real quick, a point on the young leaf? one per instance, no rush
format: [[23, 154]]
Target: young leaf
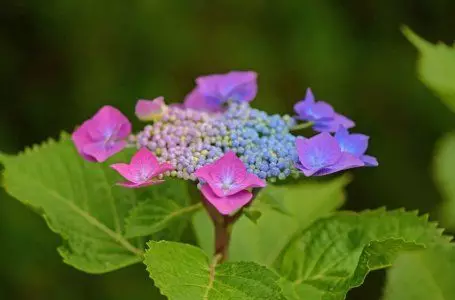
[[336, 253], [444, 172], [169, 206], [422, 275], [184, 272], [263, 242], [436, 67], [78, 200]]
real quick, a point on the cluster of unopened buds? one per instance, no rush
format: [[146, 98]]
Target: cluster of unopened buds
[[215, 138]]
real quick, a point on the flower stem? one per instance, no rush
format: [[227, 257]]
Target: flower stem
[[223, 232], [302, 126]]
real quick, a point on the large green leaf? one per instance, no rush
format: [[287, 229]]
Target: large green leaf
[[262, 242], [167, 208], [79, 201], [436, 67], [183, 272], [444, 171], [422, 275], [335, 254]]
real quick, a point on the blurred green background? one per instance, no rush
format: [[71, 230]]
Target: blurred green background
[[60, 60]]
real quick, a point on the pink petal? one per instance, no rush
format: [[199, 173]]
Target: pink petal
[[228, 168], [101, 152], [81, 138], [148, 110], [133, 185], [228, 204], [110, 117], [126, 171], [164, 167], [145, 157]]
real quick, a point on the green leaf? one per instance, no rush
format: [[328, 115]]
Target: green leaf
[[263, 242], [168, 208], [422, 275], [183, 272], [444, 172], [252, 214], [436, 67], [78, 201], [336, 253]]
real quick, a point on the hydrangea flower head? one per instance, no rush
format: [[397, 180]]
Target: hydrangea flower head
[[321, 114], [227, 183], [322, 155], [150, 110], [355, 144], [103, 135], [144, 170]]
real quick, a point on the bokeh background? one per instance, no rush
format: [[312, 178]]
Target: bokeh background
[[60, 60]]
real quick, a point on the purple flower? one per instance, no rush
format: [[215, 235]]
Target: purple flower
[[213, 91], [103, 135], [322, 155], [227, 183], [323, 116], [143, 170], [150, 110], [355, 144]]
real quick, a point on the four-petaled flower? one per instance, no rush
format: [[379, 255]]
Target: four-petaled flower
[[322, 155], [227, 183], [103, 135], [150, 110], [212, 91], [355, 144], [324, 118], [143, 170]]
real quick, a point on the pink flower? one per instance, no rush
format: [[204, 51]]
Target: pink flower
[[143, 169], [103, 135], [227, 183], [150, 110]]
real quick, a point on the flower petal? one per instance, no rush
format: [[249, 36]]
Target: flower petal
[[347, 161], [81, 138], [150, 110], [228, 204], [100, 151], [195, 100], [370, 161], [356, 144], [133, 185], [318, 152], [334, 124], [239, 86]]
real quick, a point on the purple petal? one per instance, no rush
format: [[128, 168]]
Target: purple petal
[[236, 85], [334, 124], [355, 144], [149, 110], [369, 161], [318, 152], [110, 118], [195, 100], [101, 151], [347, 161], [320, 111], [239, 86], [228, 204]]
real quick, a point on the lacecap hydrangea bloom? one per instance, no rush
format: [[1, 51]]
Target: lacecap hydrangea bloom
[[216, 139]]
